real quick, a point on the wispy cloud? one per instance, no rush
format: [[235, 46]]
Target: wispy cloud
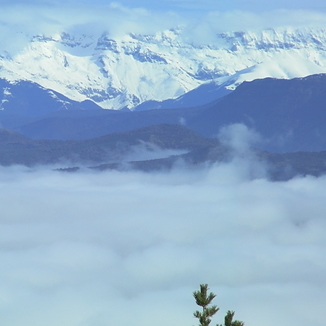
[[20, 21], [49, 17]]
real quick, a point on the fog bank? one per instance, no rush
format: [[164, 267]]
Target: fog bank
[[127, 248]]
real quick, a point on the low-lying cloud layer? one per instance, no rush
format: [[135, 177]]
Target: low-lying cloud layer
[[128, 248]]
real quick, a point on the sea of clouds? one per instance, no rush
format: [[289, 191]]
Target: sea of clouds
[[129, 248]]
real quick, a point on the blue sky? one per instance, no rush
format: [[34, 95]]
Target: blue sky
[[225, 14], [221, 5], [191, 5]]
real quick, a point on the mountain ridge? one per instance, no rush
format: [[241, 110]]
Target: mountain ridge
[[289, 115], [154, 148], [26, 98]]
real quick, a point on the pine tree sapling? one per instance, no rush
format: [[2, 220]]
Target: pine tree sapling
[[203, 299], [228, 320]]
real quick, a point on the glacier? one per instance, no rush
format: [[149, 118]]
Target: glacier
[[125, 71]]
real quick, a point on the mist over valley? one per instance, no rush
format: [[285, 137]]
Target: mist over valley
[[149, 147]]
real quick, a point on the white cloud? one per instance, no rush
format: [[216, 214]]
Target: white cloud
[[239, 137], [85, 248], [20, 21]]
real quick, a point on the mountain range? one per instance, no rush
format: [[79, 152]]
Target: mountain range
[[158, 139], [169, 100], [289, 115], [129, 70], [154, 148]]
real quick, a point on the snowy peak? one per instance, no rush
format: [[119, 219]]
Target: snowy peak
[[125, 71], [275, 39]]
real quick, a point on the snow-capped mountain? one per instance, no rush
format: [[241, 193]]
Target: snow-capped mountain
[[128, 70]]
